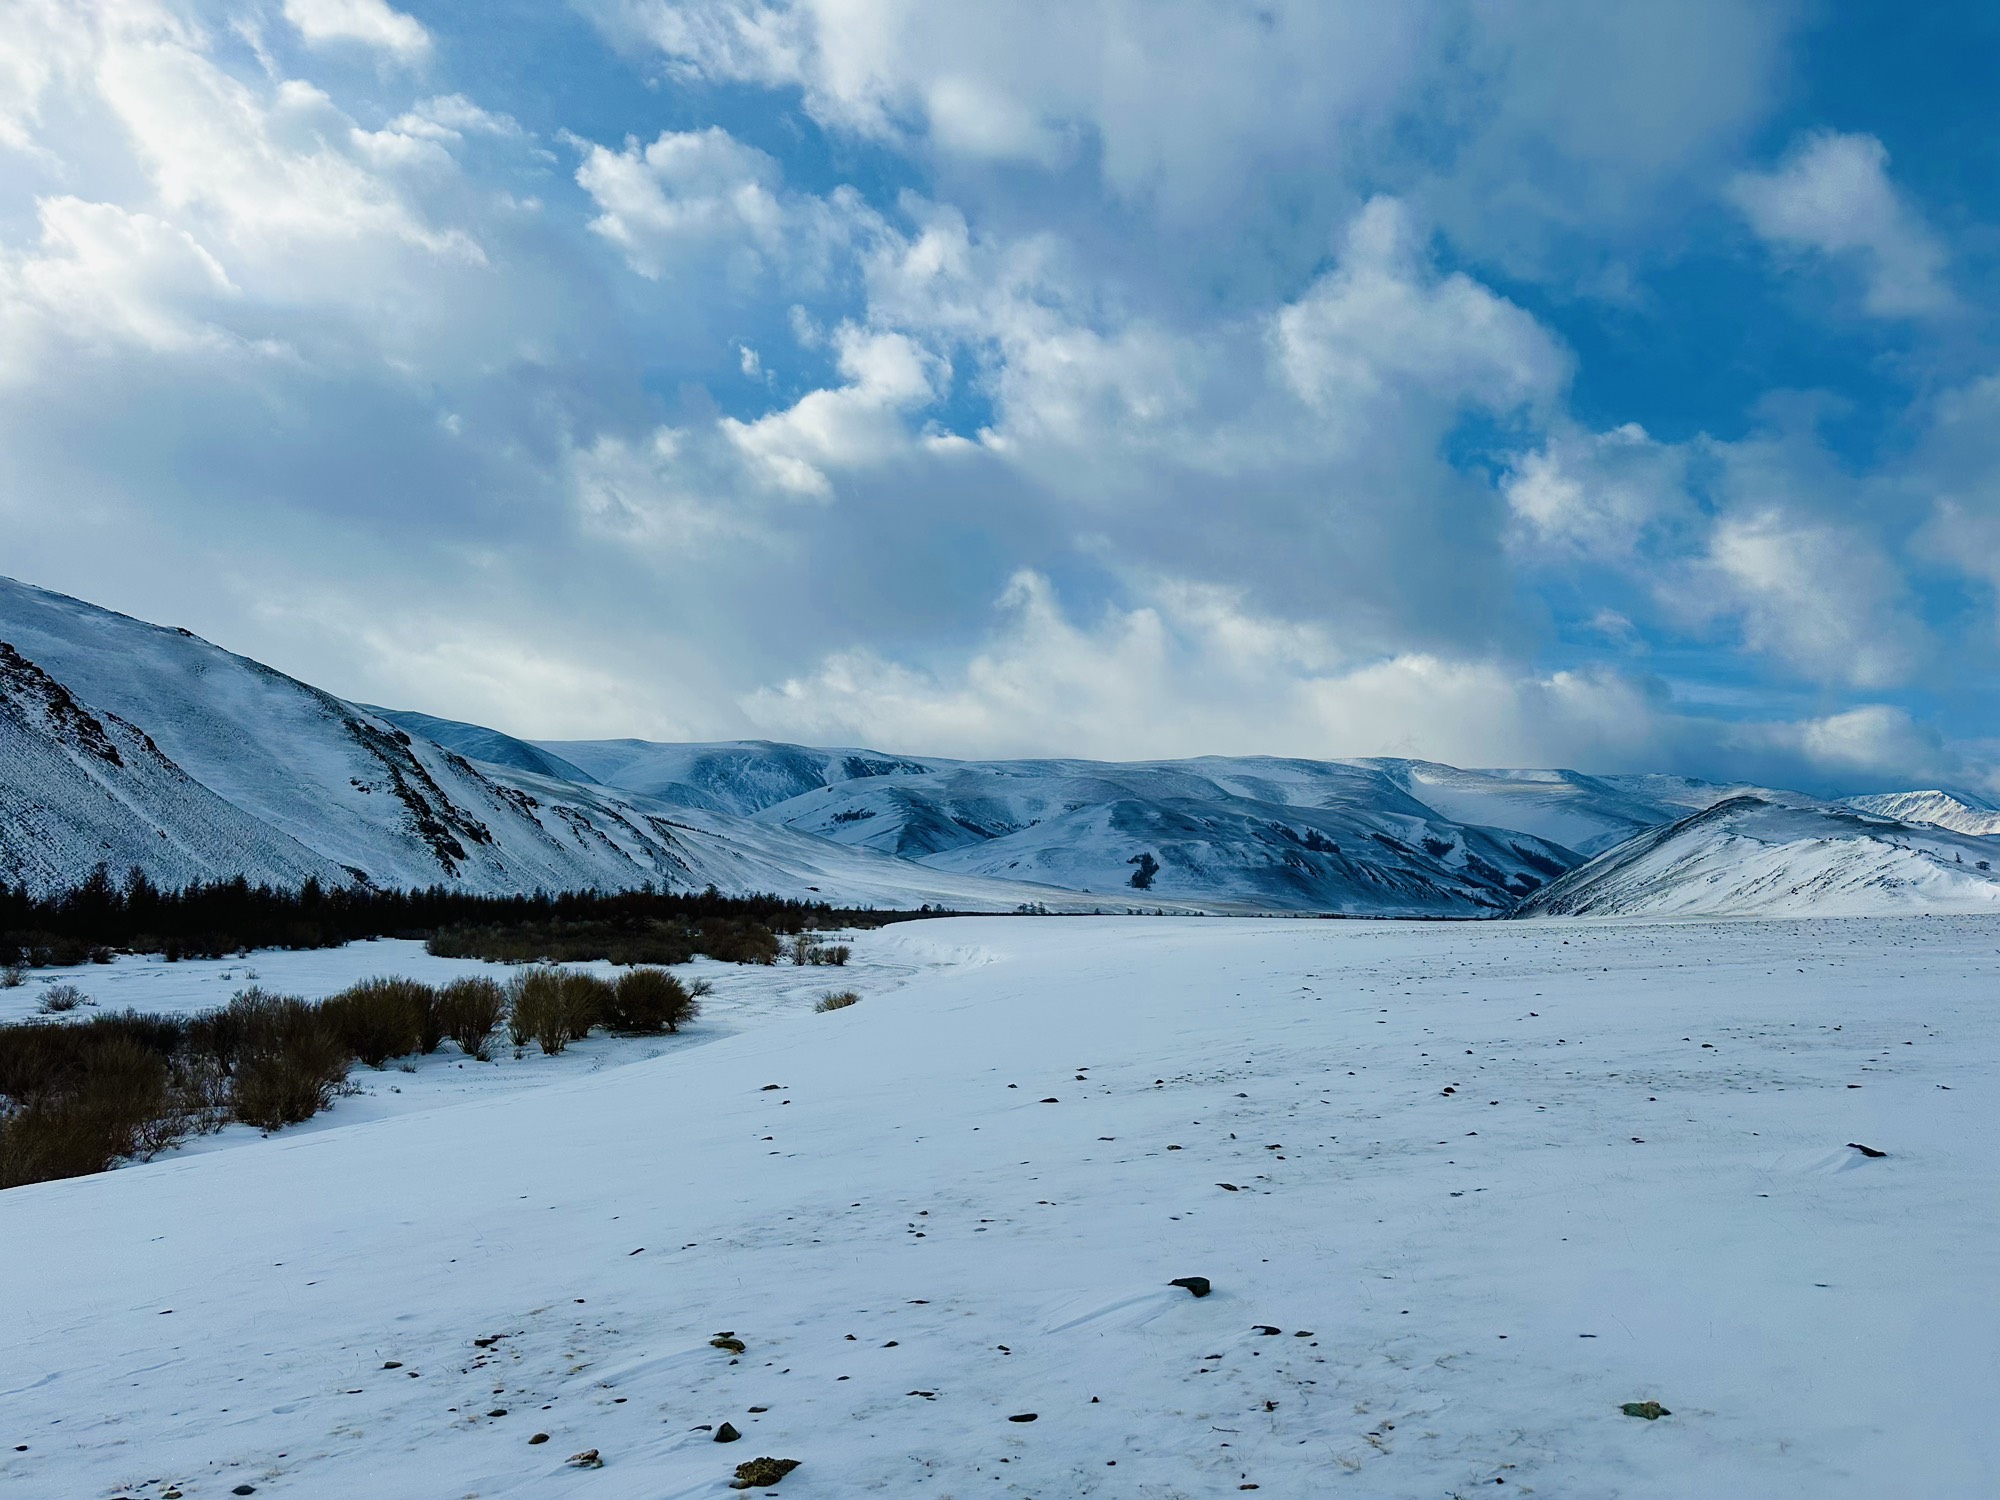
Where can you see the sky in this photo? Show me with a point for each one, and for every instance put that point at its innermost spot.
(1521, 382)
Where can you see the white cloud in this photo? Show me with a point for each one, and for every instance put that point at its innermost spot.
(1597, 494)
(1821, 597)
(1831, 195)
(100, 273)
(693, 195)
(1380, 319)
(1191, 671)
(372, 23)
(1874, 740)
(452, 117)
(855, 425)
(1161, 88)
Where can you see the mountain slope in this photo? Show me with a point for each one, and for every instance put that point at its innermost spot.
(1758, 856)
(1362, 836)
(489, 745)
(80, 789)
(132, 744)
(1939, 809)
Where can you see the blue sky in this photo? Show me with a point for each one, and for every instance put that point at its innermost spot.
(1527, 383)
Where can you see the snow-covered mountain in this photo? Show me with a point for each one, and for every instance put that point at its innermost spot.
(131, 744)
(1939, 809)
(1357, 836)
(1767, 856)
(78, 788)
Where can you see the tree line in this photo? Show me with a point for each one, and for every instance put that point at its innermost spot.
(104, 915)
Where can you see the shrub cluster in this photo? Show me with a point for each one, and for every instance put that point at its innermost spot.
(837, 1000)
(808, 949)
(468, 1009)
(77, 1096)
(554, 1007)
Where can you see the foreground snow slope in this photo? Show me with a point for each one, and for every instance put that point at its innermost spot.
(1490, 1180)
(1758, 856)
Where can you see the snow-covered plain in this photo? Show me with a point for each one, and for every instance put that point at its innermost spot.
(1461, 1189)
(743, 995)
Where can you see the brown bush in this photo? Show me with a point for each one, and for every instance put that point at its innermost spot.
(468, 1010)
(837, 1000)
(647, 1002)
(555, 1007)
(290, 1060)
(382, 1018)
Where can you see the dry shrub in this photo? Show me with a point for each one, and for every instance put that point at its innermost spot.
(837, 1000)
(555, 1007)
(808, 949)
(379, 1019)
(647, 1002)
(289, 1058)
(58, 998)
(88, 1120)
(468, 1010)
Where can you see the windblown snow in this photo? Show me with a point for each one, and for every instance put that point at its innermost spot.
(1462, 1191)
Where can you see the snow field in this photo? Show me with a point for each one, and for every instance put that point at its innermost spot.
(744, 995)
(1487, 1182)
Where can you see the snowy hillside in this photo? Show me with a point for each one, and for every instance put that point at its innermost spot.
(1939, 809)
(78, 789)
(128, 743)
(1460, 1190)
(1757, 856)
(1363, 836)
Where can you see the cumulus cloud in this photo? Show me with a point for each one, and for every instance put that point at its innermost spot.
(1240, 322)
(696, 193)
(372, 23)
(100, 273)
(1823, 598)
(1380, 320)
(1598, 494)
(1189, 671)
(1831, 196)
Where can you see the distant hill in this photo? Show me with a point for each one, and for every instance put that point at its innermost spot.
(1760, 856)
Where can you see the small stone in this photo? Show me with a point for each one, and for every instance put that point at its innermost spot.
(734, 1346)
(759, 1473)
(1652, 1411)
(498, 1411)
(1026, 1416)
(1867, 1151)
(392, 1364)
(540, 1437)
(244, 1489)
(727, 1433)
(1267, 1330)
(588, 1459)
(1198, 1285)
